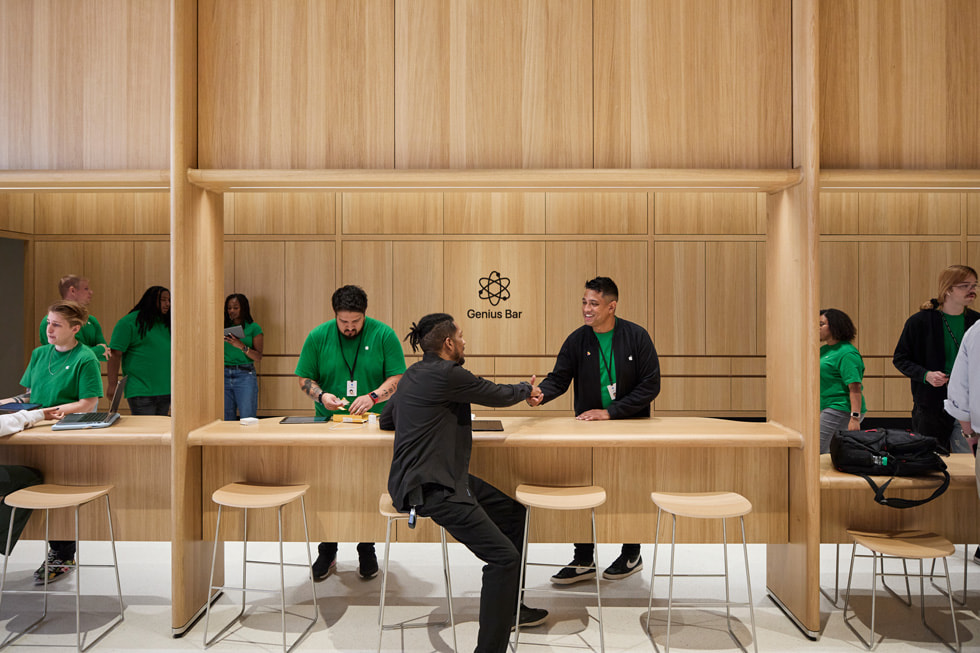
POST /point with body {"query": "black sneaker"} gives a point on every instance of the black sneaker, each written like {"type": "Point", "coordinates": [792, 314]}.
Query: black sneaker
{"type": "Point", "coordinates": [575, 572]}
{"type": "Point", "coordinates": [531, 617]}
{"type": "Point", "coordinates": [57, 568]}
{"type": "Point", "coordinates": [324, 565]}
{"type": "Point", "coordinates": [623, 567]}
{"type": "Point", "coordinates": [368, 565]}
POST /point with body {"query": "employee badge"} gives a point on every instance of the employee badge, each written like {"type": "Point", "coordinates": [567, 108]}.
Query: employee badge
{"type": "Point", "coordinates": [611, 389]}
{"type": "Point", "coordinates": [352, 388]}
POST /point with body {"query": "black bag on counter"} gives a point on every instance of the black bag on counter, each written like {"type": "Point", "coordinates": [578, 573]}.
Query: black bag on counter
{"type": "Point", "coordinates": [888, 452]}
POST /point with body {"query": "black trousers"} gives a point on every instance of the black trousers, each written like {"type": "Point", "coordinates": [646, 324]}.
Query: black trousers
{"type": "Point", "coordinates": [585, 552]}
{"type": "Point", "coordinates": [13, 478]}
{"type": "Point", "coordinates": [933, 422]}
{"type": "Point", "coordinates": [493, 529]}
{"type": "Point", "coordinates": [156, 405]}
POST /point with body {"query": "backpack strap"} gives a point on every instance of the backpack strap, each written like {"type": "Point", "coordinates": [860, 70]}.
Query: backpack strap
{"type": "Point", "coordinates": [903, 503]}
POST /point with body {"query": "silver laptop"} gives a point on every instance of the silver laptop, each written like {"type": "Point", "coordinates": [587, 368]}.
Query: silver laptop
{"type": "Point", "coordinates": [94, 420]}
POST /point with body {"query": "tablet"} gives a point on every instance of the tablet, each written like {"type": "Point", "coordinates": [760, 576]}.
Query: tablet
{"type": "Point", "coordinates": [304, 419]}
{"type": "Point", "coordinates": [17, 406]}
{"type": "Point", "coordinates": [236, 331]}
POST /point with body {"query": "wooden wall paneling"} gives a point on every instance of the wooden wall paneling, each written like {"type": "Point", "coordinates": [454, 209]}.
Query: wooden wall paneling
{"type": "Point", "coordinates": [108, 266]}
{"type": "Point", "coordinates": [151, 213]}
{"type": "Point", "coordinates": [730, 320]}
{"type": "Point", "coordinates": [229, 269]}
{"type": "Point", "coordinates": [885, 300]}
{"type": "Point", "coordinates": [761, 294]}
{"type": "Point", "coordinates": [392, 213]}
{"type": "Point", "coordinates": [839, 213]}
{"type": "Point", "coordinates": [910, 213]}
{"type": "Point", "coordinates": [694, 393]}
{"type": "Point", "coordinates": [253, 115]}
{"type": "Point", "coordinates": [709, 213]}
{"type": "Point", "coordinates": [151, 266]}
{"type": "Point", "coordinates": [591, 213]}
{"type": "Point", "coordinates": [53, 260]}
{"type": "Point", "coordinates": [625, 262]}
{"type": "Point", "coordinates": [569, 266]}
{"type": "Point", "coordinates": [493, 84]}
{"type": "Point", "coordinates": [749, 394]}
{"type": "Point", "coordinates": [260, 276]}
{"type": "Point", "coordinates": [309, 283]}
{"type": "Point", "coordinates": [283, 213]}
{"type": "Point", "coordinates": [631, 516]}
{"type": "Point", "coordinates": [17, 211]}
{"type": "Point", "coordinates": [368, 264]}
{"type": "Point", "coordinates": [840, 279]}
{"type": "Point", "coordinates": [494, 213]}
{"type": "Point", "coordinates": [709, 84]}
{"type": "Point", "coordinates": [927, 260]}
{"type": "Point", "coordinates": [79, 99]}
{"type": "Point", "coordinates": [522, 268]}
{"type": "Point", "coordinates": [84, 213]}
{"type": "Point", "coordinates": [679, 287]}
{"type": "Point", "coordinates": [418, 284]}
{"type": "Point", "coordinates": [514, 369]}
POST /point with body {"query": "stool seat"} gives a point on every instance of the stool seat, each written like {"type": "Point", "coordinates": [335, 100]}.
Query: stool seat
{"type": "Point", "coordinates": [250, 495]}
{"type": "Point", "coordinates": [920, 545]}
{"type": "Point", "coordinates": [561, 498]}
{"type": "Point", "coordinates": [50, 496]}
{"type": "Point", "coordinates": [387, 508]}
{"type": "Point", "coordinates": [703, 505]}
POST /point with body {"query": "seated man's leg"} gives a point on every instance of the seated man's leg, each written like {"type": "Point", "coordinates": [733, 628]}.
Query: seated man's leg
{"type": "Point", "coordinates": [472, 526]}
{"type": "Point", "coordinates": [13, 478]}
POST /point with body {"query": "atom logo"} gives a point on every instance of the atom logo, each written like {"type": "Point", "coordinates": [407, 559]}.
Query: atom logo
{"type": "Point", "coordinates": [494, 288]}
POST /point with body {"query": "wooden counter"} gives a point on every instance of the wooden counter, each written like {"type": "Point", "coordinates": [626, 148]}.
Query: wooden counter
{"type": "Point", "coordinates": [347, 467]}
{"type": "Point", "coordinates": [847, 501]}
{"type": "Point", "coordinates": [133, 455]}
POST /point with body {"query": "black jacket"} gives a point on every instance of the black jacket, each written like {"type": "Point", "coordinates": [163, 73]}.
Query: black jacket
{"type": "Point", "coordinates": [637, 371]}
{"type": "Point", "coordinates": [430, 415]}
{"type": "Point", "coordinates": [920, 349]}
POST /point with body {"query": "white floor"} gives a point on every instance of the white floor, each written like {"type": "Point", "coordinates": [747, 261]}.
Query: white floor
{"type": "Point", "coordinates": [348, 606]}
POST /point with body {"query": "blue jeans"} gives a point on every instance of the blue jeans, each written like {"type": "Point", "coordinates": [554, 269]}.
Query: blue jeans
{"type": "Point", "coordinates": [241, 392]}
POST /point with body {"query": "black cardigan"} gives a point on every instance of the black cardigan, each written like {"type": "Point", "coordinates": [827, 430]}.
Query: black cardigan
{"type": "Point", "coordinates": [637, 371]}
{"type": "Point", "coordinates": [920, 349]}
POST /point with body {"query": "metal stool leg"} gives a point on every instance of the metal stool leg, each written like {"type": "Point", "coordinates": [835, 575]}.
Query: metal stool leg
{"type": "Point", "coordinates": [598, 595]}
{"type": "Point", "coordinates": [653, 575]}
{"type": "Point", "coordinates": [115, 560]}
{"type": "Point", "coordinates": [748, 586]}
{"type": "Point", "coordinates": [282, 582]}
{"type": "Point", "coordinates": [670, 584]}
{"type": "Point", "coordinates": [214, 557]}
{"type": "Point", "coordinates": [384, 584]}
{"type": "Point", "coordinates": [520, 587]}
{"type": "Point", "coordinates": [449, 585]}
{"type": "Point", "coordinates": [78, 588]}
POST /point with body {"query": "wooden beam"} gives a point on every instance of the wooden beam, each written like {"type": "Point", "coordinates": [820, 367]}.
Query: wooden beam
{"type": "Point", "coordinates": [84, 180]}
{"type": "Point", "coordinates": [899, 180]}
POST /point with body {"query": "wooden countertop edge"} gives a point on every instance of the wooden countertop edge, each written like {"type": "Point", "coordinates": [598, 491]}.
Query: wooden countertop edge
{"type": "Point", "coordinates": [115, 435]}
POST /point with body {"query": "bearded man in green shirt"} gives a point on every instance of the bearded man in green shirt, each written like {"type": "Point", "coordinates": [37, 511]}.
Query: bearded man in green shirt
{"type": "Point", "coordinates": [349, 364]}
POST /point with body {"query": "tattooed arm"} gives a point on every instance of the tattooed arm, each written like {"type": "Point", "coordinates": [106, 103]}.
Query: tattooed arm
{"type": "Point", "coordinates": [21, 398]}
{"type": "Point", "coordinates": [384, 392]}
{"type": "Point", "coordinates": [313, 390]}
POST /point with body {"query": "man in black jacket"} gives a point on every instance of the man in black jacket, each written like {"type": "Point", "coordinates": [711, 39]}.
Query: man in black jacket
{"type": "Point", "coordinates": [430, 469]}
{"type": "Point", "coordinates": [616, 372]}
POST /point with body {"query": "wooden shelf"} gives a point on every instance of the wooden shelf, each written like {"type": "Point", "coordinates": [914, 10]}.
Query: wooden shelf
{"type": "Point", "coordinates": [571, 180]}
{"type": "Point", "coordinates": [899, 180]}
{"type": "Point", "coordinates": [34, 181]}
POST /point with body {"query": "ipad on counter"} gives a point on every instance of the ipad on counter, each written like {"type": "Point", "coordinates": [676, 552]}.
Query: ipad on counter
{"type": "Point", "coordinates": [17, 406]}
{"type": "Point", "coordinates": [487, 425]}
{"type": "Point", "coordinates": [304, 419]}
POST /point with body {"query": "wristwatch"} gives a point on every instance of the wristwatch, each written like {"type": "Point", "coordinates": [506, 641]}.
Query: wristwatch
{"type": "Point", "coordinates": [374, 396]}
{"type": "Point", "coordinates": [856, 415]}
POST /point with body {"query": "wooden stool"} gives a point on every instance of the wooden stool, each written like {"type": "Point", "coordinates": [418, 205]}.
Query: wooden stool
{"type": "Point", "coordinates": [49, 497]}
{"type": "Point", "coordinates": [702, 505]}
{"type": "Point", "coordinates": [907, 545]}
{"type": "Point", "coordinates": [559, 498]}
{"type": "Point", "coordinates": [387, 509]}
{"type": "Point", "coordinates": [246, 496]}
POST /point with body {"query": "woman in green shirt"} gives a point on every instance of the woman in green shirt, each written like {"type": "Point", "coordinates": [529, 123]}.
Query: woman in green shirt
{"type": "Point", "coordinates": [64, 375]}
{"type": "Point", "coordinates": [241, 354]}
{"type": "Point", "coordinates": [841, 376]}
{"type": "Point", "coordinates": [141, 344]}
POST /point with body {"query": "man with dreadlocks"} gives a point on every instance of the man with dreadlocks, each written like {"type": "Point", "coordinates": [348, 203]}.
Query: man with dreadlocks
{"type": "Point", "coordinates": [141, 343]}
{"type": "Point", "coordinates": [430, 469]}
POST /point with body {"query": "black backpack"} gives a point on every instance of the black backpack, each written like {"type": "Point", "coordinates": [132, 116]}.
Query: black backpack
{"type": "Point", "coordinates": [888, 452]}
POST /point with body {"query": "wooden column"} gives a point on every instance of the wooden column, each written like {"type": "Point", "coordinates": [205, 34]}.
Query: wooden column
{"type": "Point", "coordinates": [196, 250]}
{"type": "Point", "coordinates": [792, 356]}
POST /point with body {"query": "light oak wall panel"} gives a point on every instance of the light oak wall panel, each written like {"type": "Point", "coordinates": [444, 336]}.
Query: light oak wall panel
{"type": "Point", "coordinates": [973, 213]}
{"type": "Point", "coordinates": [418, 284]}
{"type": "Point", "coordinates": [53, 260]}
{"type": "Point", "coordinates": [368, 264]}
{"type": "Point", "coordinates": [921, 214]}
{"type": "Point", "coordinates": [731, 318]}
{"type": "Point", "coordinates": [885, 296]}
{"type": "Point", "coordinates": [282, 84]}
{"type": "Point", "coordinates": [392, 213]}
{"type": "Point", "coordinates": [280, 213]}
{"type": "Point", "coordinates": [102, 213]}
{"type": "Point", "coordinates": [680, 327]}
{"type": "Point", "coordinates": [260, 276]}
{"type": "Point", "coordinates": [310, 279]}
{"type": "Point", "coordinates": [17, 212]}
{"type": "Point", "coordinates": [569, 266]}
{"type": "Point", "coordinates": [700, 84]}
{"type": "Point", "coordinates": [709, 213]}
{"type": "Point", "coordinates": [114, 294]}
{"type": "Point", "coordinates": [522, 268]}
{"type": "Point", "coordinates": [151, 266]}
{"type": "Point", "coordinates": [494, 213]}
{"type": "Point", "coordinates": [840, 281]}
{"type": "Point", "coordinates": [840, 213]}
{"type": "Point", "coordinates": [625, 262]}
{"type": "Point", "coordinates": [589, 213]}
{"type": "Point", "coordinates": [900, 83]}
{"type": "Point", "coordinates": [493, 84]}
{"type": "Point", "coordinates": [86, 84]}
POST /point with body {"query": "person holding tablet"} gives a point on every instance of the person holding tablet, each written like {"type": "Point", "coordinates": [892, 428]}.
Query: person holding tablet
{"type": "Point", "coordinates": [63, 375]}
{"type": "Point", "coordinates": [141, 345]}
{"type": "Point", "coordinates": [241, 353]}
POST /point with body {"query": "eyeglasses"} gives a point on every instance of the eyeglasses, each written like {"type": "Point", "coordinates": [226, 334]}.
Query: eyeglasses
{"type": "Point", "coordinates": [966, 286]}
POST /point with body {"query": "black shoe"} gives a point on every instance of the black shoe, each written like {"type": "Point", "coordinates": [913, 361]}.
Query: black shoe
{"type": "Point", "coordinates": [368, 565]}
{"type": "Point", "coordinates": [531, 617]}
{"type": "Point", "coordinates": [575, 572]}
{"type": "Point", "coordinates": [623, 567]}
{"type": "Point", "coordinates": [324, 565]}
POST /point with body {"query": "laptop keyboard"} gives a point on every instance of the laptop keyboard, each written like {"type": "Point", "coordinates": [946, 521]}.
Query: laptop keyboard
{"type": "Point", "coordinates": [88, 418]}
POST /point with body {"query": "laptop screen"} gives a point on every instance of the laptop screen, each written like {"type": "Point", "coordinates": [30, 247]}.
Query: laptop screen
{"type": "Point", "coordinates": [117, 397]}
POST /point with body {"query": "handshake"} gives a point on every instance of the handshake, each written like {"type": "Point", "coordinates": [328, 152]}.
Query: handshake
{"type": "Point", "coordinates": [536, 395]}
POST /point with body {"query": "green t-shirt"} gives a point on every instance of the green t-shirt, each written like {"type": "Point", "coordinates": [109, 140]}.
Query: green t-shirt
{"type": "Point", "coordinates": [840, 365]}
{"type": "Point", "coordinates": [328, 356]}
{"type": "Point", "coordinates": [607, 365]}
{"type": "Point", "coordinates": [89, 335]}
{"type": "Point", "coordinates": [56, 377]}
{"type": "Point", "coordinates": [234, 355]}
{"type": "Point", "coordinates": [957, 324]}
{"type": "Point", "coordinates": [146, 359]}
